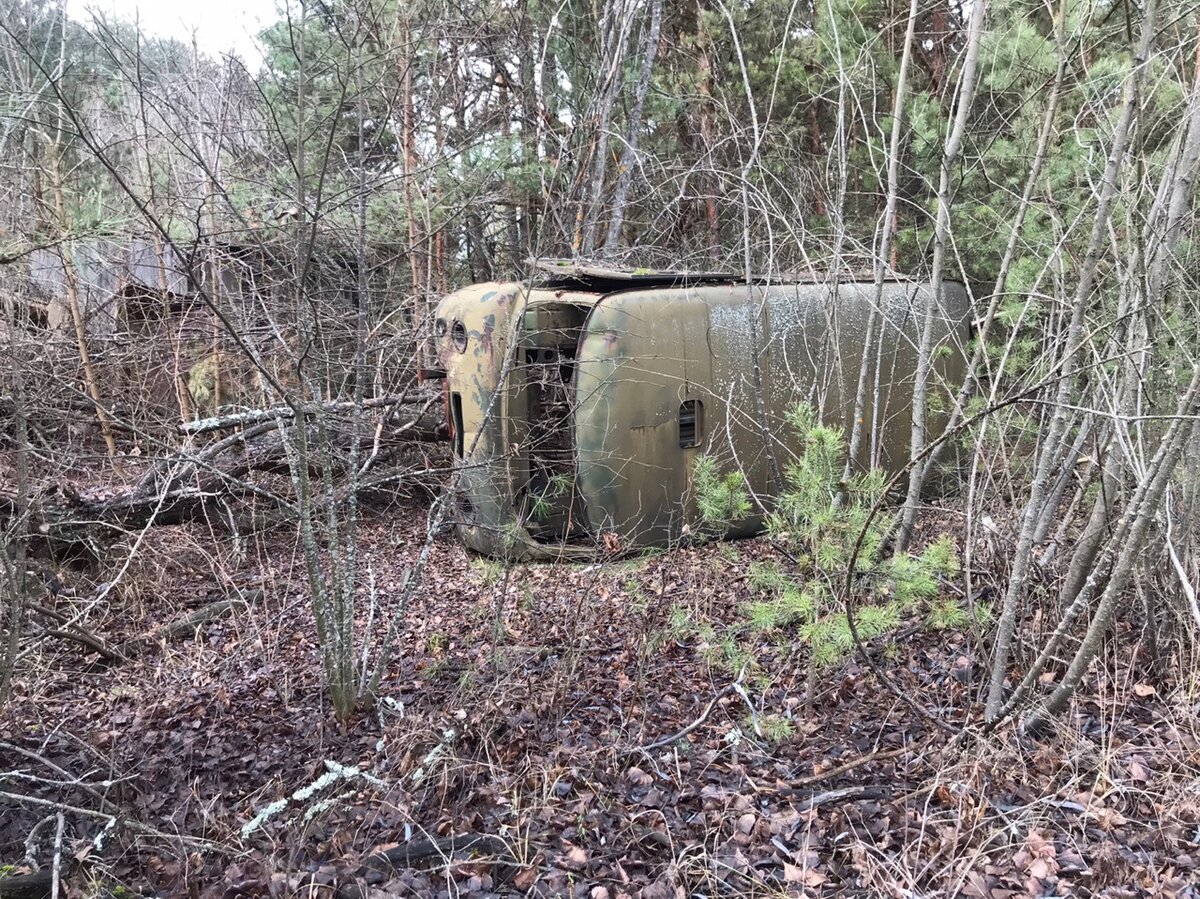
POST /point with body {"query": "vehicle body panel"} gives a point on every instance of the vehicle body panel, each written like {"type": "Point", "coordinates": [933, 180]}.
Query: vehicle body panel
{"type": "Point", "coordinates": [583, 411]}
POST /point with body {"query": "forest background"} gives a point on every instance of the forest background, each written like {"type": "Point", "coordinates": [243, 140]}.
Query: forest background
{"type": "Point", "coordinates": [217, 287]}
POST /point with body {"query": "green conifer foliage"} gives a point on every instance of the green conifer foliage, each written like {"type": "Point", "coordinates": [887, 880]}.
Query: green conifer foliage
{"type": "Point", "coordinates": [816, 522]}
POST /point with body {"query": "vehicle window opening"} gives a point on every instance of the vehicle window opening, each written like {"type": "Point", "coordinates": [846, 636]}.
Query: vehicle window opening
{"type": "Point", "coordinates": [691, 423]}
{"type": "Point", "coordinates": [456, 423]}
{"type": "Point", "coordinates": [550, 506]}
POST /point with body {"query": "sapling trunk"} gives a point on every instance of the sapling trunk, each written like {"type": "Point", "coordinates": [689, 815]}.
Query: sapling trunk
{"type": "Point", "coordinates": [1122, 547]}
{"type": "Point", "coordinates": [629, 154]}
{"type": "Point", "coordinates": [1142, 514]}
{"type": "Point", "coordinates": [13, 547]}
{"type": "Point", "coordinates": [941, 236]}
{"type": "Point", "coordinates": [1072, 343]}
{"type": "Point", "coordinates": [885, 241]}
{"type": "Point", "coordinates": [1163, 232]}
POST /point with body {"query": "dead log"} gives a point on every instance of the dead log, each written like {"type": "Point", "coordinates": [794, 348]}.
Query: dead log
{"type": "Point", "coordinates": [187, 625]}
{"type": "Point", "coordinates": [205, 484]}
{"type": "Point", "coordinates": [27, 886]}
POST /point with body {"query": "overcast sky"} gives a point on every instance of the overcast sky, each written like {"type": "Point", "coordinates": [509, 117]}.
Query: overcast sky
{"type": "Point", "coordinates": [220, 26]}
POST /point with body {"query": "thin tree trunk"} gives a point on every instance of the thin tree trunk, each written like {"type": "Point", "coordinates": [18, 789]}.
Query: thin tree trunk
{"type": "Point", "coordinates": [13, 550]}
{"type": "Point", "coordinates": [754, 310]}
{"type": "Point", "coordinates": [712, 214]}
{"type": "Point", "coordinates": [1000, 288]}
{"type": "Point", "coordinates": [941, 235]}
{"type": "Point", "coordinates": [1140, 514]}
{"type": "Point", "coordinates": [885, 238]}
{"type": "Point", "coordinates": [1022, 557]}
{"type": "Point", "coordinates": [182, 396]}
{"type": "Point", "coordinates": [629, 154]}
{"type": "Point", "coordinates": [215, 290]}
{"type": "Point", "coordinates": [421, 303]}
{"type": "Point", "coordinates": [615, 32]}
{"type": "Point", "coordinates": [1172, 199]}
{"type": "Point", "coordinates": [71, 276]}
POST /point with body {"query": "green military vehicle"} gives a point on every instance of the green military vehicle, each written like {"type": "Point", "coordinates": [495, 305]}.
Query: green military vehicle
{"type": "Point", "coordinates": [580, 401]}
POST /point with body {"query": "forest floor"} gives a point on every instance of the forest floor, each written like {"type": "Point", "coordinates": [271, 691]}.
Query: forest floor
{"type": "Point", "coordinates": [519, 707]}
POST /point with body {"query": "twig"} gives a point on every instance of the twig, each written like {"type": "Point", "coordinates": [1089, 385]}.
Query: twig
{"type": "Point", "coordinates": [667, 741]}
{"type": "Point", "coordinates": [114, 821]}
{"type": "Point", "coordinates": [877, 756]}
{"type": "Point", "coordinates": [56, 871]}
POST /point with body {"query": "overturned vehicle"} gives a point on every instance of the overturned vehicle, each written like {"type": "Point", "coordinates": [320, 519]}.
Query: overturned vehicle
{"type": "Point", "coordinates": [580, 401]}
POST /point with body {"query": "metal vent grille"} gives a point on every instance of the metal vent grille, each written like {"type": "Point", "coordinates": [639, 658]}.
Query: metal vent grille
{"type": "Point", "coordinates": [691, 423]}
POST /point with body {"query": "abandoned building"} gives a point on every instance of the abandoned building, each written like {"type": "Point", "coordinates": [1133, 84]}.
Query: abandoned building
{"type": "Point", "coordinates": [147, 312]}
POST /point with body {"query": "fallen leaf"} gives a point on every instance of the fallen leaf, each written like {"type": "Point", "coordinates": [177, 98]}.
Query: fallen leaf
{"type": "Point", "coordinates": [575, 859]}
{"type": "Point", "coordinates": [638, 777]}
{"type": "Point", "coordinates": [525, 878]}
{"type": "Point", "coordinates": [1138, 771]}
{"type": "Point", "coordinates": [1040, 869]}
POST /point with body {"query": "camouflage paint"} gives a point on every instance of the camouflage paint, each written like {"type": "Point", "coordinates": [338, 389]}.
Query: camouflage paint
{"type": "Point", "coordinates": [494, 426]}
{"type": "Point", "coordinates": [641, 354]}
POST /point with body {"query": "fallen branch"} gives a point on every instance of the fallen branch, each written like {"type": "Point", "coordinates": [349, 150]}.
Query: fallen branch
{"type": "Point", "coordinates": [187, 625]}
{"type": "Point", "coordinates": [116, 821]}
{"type": "Point", "coordinates": [74, 633]}
{"type": "Point", "coordinates": [406, 855]}
{"type": "Point", "coordinates": [70, 780]}
{"type": "Point", "coordinates": [27, 886]}
{"type": "Point", "coordinates": [797, 785]}
{"type": "Point", "coordinates": [257, 416]}
{"type": "Point", "coordinates": [675, 737]}
{"type": "Point", "coordinates": [198, 484]}
{"type": "Point", "coordinates": [862, 792]}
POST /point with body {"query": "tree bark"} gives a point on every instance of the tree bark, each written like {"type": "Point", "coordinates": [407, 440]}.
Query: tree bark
{"type": "Point", "coordinates": [629, 154]}
{"type": "Point", "coordinates": [1044, 469]}
{"type": "Point", "coordinates": [941, 235]}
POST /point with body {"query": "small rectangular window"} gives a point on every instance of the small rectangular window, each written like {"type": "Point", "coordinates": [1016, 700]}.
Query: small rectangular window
{"type": "Point", "coordinates": [456, 423]}
{"type": "Point", "coordinates": [691, 423]}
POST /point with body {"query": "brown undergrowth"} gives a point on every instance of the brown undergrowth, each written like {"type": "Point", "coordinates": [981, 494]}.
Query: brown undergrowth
{"type": "Point", "coordinates": [519, 708]}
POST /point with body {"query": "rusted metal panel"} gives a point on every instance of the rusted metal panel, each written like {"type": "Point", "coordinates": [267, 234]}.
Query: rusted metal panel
{"type": "Point", "coordinates": [582, 412]}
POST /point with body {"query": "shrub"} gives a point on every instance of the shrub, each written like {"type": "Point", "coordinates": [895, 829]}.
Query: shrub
{"type": "Point", "coordinates": [817, 520]}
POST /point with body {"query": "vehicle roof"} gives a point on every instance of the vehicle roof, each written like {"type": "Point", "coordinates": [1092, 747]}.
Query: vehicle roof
{"type": "Point", "coordinates": [603, 278]}
{"type": "Point", "coordinates": [599, 277]}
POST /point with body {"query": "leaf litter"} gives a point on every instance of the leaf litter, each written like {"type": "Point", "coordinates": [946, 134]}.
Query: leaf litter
{"type": "Point", "coordinates": [516, 710]}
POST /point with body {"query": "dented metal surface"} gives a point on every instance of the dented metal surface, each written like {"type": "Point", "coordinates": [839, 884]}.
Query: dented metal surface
{"type": "Point", "coordinates": [578, 409]}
